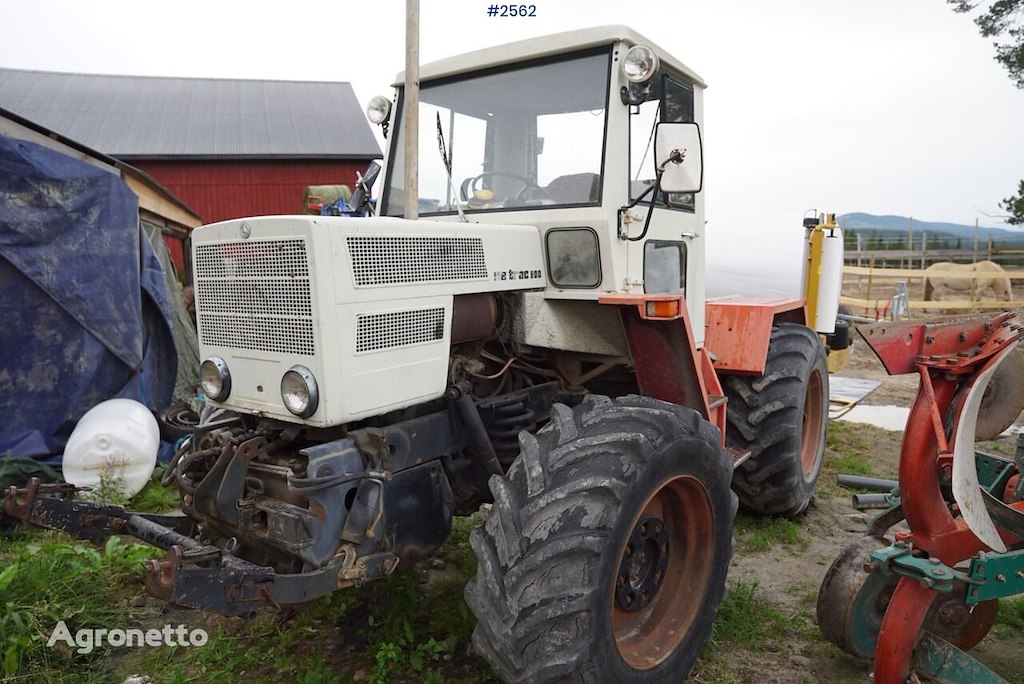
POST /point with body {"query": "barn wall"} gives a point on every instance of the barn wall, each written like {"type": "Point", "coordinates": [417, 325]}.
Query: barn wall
{"type": "Point", "coordinates": [220, 190]}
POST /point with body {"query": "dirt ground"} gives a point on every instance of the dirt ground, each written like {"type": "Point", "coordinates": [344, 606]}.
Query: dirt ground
{"type": "Point", "coordinates": [790, 578]}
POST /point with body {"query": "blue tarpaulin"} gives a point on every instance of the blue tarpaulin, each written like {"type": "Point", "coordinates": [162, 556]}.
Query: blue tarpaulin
{"type": "Point", "coordinates": [84, 310]}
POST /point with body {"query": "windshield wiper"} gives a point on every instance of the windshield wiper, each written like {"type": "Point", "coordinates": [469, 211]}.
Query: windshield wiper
{"type": "Point", "coordinates": [446, 160]}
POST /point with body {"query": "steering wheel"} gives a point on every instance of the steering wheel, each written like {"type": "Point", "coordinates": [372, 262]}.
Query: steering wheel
{"type": "Point", "coordinates": [469, 186]}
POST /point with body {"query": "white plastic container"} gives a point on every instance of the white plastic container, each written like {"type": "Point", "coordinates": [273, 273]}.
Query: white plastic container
{"type": "Point", "coordinates": [118, 440]}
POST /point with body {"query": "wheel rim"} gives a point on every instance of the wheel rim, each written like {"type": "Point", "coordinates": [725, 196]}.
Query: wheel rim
{"type": "Point", "coordinates": [664, 567]}
{"type": "Point", "coordinates": [813, 421]}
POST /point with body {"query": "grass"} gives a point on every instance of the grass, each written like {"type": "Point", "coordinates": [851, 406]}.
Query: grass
{"type": "Point", "coordinates": [154, 497]}
{"type": "Point", "coordinates": [412, 626]}
{"type": "Point", "coordinates": [46, 578]}
{"type": "Point", "coordinates": [49, 579]}
{"type": "Point", "coordinates": [1010, 619]}
{"type": "Point", "coordinates": [748, 620]}
{"type": "Point", "coordinates": [757, 533]}
{"type": "Point", "coordinates": [746, 623]}
{"type": "Point", "coordinates": [845, 444]}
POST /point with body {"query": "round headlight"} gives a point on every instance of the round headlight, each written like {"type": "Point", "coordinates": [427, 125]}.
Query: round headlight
{"type": "Point", "coordinates": [640, 63]}
{"type": "Point", "coordinates": [215, 378]}
{"type": "Point", "coordinates": [378, 109]}
{"type": "Point", "coordinates": [298, 391]}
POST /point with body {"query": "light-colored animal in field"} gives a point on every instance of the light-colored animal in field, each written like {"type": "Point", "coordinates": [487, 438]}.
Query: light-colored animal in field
{"type": "Point", "coordinates": [941, 281]}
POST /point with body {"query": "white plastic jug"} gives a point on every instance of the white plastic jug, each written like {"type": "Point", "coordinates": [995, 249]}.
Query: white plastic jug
{"type": "Point", "coordinates": [116, 439]}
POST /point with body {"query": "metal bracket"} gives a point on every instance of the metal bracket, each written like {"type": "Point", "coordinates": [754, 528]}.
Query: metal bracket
{"type": "Point", "coordinates": [898, 559]}
{"type": "Point", "coordinates": [996, 576]}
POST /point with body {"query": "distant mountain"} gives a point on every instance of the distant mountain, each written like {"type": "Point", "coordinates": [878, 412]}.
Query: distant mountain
{"type": "Point", "coordinates": [865, 223]}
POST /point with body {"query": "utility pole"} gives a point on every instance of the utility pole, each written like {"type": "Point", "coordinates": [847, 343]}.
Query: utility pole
{"type": "Point", "coordinates": [411, 108]}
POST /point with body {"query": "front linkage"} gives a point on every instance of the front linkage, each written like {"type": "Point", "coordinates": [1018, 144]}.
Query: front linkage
{"type": "Point", "coordinates": [193, 574]}
{"type": "Point", "coordinates": [275, 517]}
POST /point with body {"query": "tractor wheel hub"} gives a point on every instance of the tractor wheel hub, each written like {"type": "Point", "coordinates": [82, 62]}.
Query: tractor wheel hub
{"type": "Point", "coordinates": [643, 565]}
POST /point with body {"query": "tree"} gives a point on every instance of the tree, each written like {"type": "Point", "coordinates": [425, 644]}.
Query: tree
{"type": "Point", "coordinates": [1003, 20]}
{"type": "Point", "coordinates": [1015, 205]}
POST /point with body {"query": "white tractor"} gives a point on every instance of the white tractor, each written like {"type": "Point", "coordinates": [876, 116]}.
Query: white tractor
{"type": "Point", "coordinates": [538, 339]}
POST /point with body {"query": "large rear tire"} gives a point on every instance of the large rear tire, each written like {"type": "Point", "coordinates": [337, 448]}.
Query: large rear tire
{"type": "Point", "coordinates": [605, 554]}
{"type": "Point", "coordinates": [780, 417]}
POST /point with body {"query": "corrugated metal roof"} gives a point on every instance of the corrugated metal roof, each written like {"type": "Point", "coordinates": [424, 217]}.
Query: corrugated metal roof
{"type": "Point", "coordinates": [171, 118]}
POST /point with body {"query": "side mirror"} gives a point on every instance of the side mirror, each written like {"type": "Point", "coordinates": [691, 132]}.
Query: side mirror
{"type": "Point", "coordinates": [678, 152]}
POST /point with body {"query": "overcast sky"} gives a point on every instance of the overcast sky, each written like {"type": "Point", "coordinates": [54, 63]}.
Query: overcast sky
{"type": "Point", "coordinates": [841, 105]}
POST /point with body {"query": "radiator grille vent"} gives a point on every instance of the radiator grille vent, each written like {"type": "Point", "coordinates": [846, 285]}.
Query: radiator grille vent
{"type": "Point", "coordinates": [398, 329]}
{"type": "Point", "coordinates": [387, 260]}
{"type": "Point", "coordinates": [255, 295]}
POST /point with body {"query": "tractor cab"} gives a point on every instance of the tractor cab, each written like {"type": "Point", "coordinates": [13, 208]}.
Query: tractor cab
{"type": "Point", "coordinates": [569, 134]}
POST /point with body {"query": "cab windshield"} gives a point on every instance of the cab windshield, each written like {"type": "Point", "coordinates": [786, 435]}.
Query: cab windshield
{"type": "Point", "coordinates": [523, 137]}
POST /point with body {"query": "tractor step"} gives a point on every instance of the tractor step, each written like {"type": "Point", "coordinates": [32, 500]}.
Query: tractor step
{"type": "Point", "coordinates": [738, 456]}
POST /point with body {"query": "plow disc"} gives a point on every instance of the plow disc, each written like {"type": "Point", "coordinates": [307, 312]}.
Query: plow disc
{"type": "Point", "coordinates": [853, 602]}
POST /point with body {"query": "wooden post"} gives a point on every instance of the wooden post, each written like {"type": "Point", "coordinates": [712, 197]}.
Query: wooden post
{"type": "Point", "coordinates": [871, 271]}
{"type": "Point", "coordinates": [974, 259]}
{"type": "Point", "coordinates": [910, 242]}
{"type": "Point", "coordinates": [411, 108]}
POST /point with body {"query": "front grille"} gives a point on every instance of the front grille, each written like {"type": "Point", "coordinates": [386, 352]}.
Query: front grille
{"type": "Point", "coordinates": [397, 259]}
{"type": "Point", "coordinates": [379, 331]}
{"type": "Point", "coordinates": [255, 294]}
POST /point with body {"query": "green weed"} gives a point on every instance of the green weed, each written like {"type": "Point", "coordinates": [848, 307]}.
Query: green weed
{"type": "Point", "coordinates": [154, 497]}
{"type": "Point", "coordinates": [111, 488]}
{"type": "Point", "coordinates": [763, 533]}
{"type": "Point", "coordinates": [844, 438]}
{"type": "Point", "coordinates": [747, 620]}
{"type": "Point", "coordinates": [852, 464]}
{"type": "Point", "coordinates": [44, 583]}
{"type": "Point", "coordinates": [1010, 619]}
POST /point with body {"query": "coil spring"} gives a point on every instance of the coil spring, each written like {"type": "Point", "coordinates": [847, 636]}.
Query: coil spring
{"type": "Point", "coordinates": [510, 417]}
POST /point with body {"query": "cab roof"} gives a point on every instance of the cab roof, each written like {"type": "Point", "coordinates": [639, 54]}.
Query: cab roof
{"type": "Point", "coordinates": [546, 46]}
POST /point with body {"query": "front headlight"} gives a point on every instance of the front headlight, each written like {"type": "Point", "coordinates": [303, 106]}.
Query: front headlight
{"type": "Point", "coordinates": [640, 64]}
{"type": "Point", "coordinates": [215, 378]}
{"type": "Point", "coordinates": [378, 109]}
{"type": "Point", "coordinates": [299, 392]}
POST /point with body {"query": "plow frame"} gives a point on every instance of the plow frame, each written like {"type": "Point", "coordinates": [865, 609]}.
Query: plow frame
{"type": "Point", "coordinates": [949, 357]}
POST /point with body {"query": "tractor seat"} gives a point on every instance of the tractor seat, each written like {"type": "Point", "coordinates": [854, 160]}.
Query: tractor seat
{"type": "Point", "coordinates": [575, 188]}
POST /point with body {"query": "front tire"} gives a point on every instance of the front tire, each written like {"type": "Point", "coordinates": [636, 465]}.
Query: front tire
{"type": "Point", "coordinates": [780, 417]}
{"type": "Point", "coordinates": [605, 554]}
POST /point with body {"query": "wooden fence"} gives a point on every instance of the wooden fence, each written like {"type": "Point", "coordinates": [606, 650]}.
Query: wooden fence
{"type": "Point", "coordinates": [915, 278]}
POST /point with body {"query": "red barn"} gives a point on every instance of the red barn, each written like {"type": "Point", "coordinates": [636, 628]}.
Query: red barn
{"type": "Point", "coordinates": [228, 148]}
